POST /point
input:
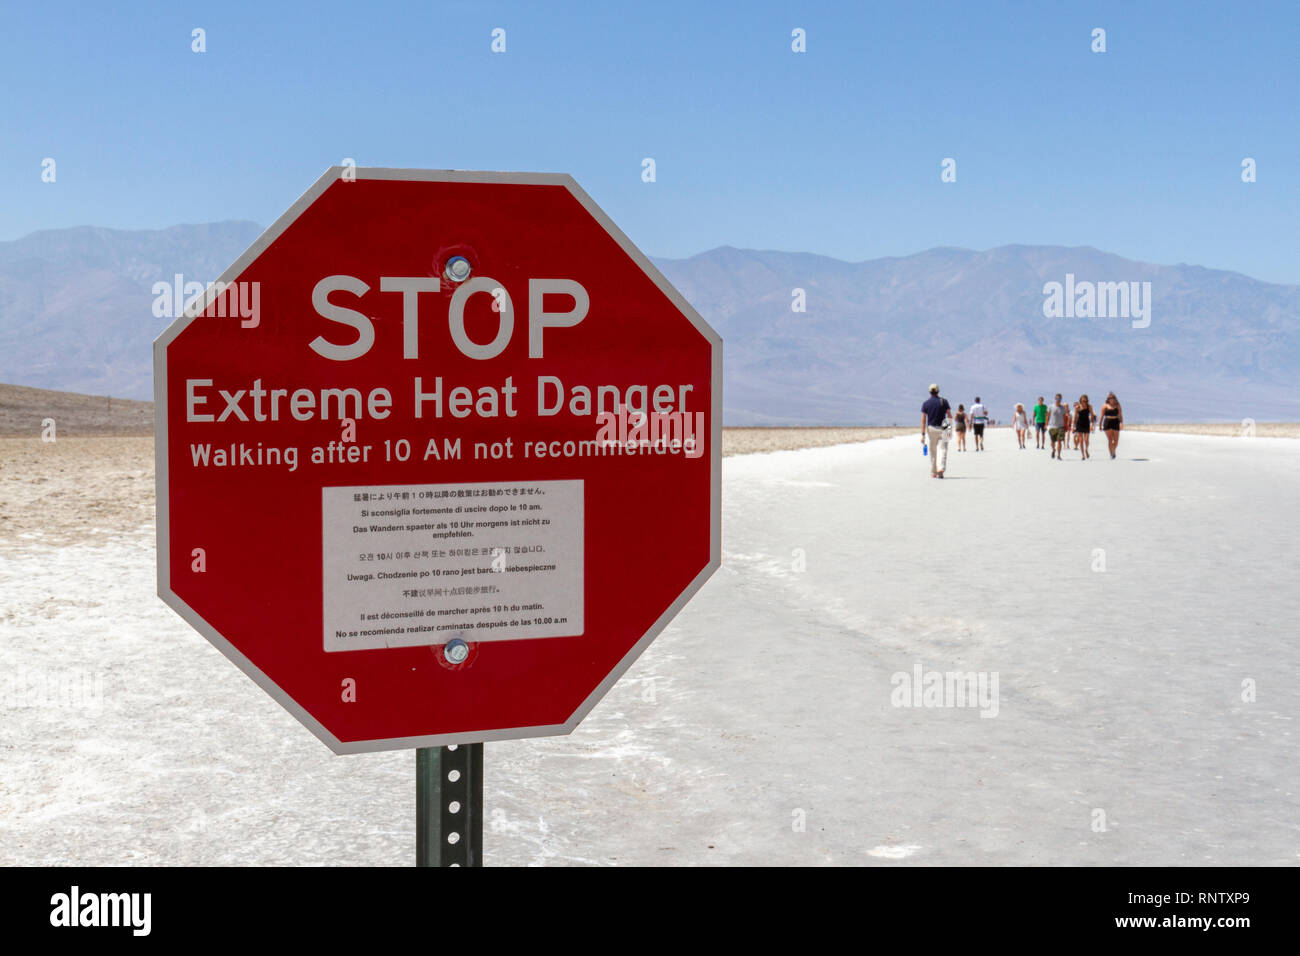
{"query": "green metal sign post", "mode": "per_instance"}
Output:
(449, 805)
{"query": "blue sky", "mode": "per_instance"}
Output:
(836, 151)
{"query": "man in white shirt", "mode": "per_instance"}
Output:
(979, 416)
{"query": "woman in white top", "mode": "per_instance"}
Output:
(1020, 422)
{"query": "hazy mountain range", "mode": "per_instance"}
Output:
(75, 314)
(76, 304)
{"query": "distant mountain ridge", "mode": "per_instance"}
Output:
(76, 304)
(75, 315)
(1220, 345)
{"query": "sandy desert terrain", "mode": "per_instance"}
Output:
(1226, 429)
(74, 490)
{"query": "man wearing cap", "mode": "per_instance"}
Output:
(934, 417)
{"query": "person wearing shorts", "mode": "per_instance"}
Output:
(1112, 420)
(1020, 422)
(979, 417)
(960, 420)
(1040, 424)
(1056, 427)
(1084, 419)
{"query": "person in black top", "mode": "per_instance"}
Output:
(934, 422)
(1083, 424)
(1112, 420)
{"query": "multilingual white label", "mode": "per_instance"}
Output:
(406, 565)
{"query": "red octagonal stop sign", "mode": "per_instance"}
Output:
(437, 458)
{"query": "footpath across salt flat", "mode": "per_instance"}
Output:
(1122, 605)
(1127, 609)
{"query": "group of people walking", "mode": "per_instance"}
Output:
(1058, 424)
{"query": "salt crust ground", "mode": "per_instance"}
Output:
(759, 728)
